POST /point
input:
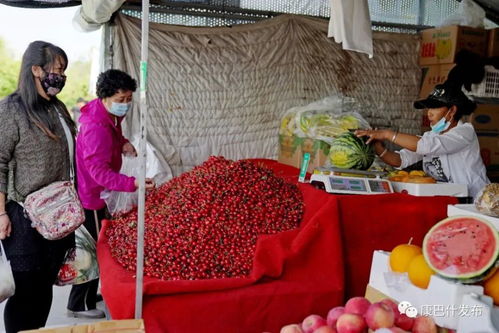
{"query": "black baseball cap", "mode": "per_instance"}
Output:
(444, 95)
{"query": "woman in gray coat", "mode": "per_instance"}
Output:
(33, 154)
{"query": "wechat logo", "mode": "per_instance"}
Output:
(407, 309)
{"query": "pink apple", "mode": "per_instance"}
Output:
(351, 323)
(379, 315)
(424, 324)
(334, 314)
(357, 305)
(393, 305)
(312, 322)
(325, 329)
(292, 328)
(390, 330)
(404, 322)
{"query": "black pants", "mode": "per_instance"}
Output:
(30, 306)
(83, 296)
(35, 263)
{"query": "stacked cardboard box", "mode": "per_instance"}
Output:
(485, 120)
(292, 148)
(438, 50)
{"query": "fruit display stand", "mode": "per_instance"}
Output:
(489, 320)
(298, 272)
(442, 295)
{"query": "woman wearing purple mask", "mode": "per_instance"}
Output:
(33, 153)
(449, 152)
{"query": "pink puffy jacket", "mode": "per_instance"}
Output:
(98, 156)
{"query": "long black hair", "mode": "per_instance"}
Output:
(36, 107)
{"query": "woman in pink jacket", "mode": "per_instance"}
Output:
(99, 146)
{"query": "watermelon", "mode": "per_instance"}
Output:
(463, 248)
(351, 152)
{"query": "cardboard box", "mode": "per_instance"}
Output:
(109, 326)
(489, 149)
(292, 148)
(440, 45)
(493, 43)
(486, 118)
(433, 75)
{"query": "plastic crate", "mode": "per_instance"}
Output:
(489, 87)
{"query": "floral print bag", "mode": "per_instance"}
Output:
(55, 210)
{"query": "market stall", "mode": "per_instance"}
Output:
(295, 273)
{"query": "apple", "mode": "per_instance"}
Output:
(351, 323)
(325, 329)
(424, 324)
(312, 322)
(292, 328)
(357, 305)
(379, 315)
(334, 314)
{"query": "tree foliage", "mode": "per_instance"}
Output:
(78, 76)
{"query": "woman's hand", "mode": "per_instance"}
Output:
(375, 134)
(5, 227)
(150, 184)
(129, 149)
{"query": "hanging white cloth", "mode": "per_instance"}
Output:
(350, 24)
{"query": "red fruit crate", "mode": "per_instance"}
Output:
(489, 87)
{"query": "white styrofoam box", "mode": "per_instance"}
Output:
(488, 321)
(470, 209)
(442, 295)
(430, 190)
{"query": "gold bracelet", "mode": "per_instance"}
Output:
(394, 137)
(383, 152)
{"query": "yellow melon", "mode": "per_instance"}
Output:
(402, 255)
(419, 272)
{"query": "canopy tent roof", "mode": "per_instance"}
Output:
(491, 6)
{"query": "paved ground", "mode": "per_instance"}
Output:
(57, 316)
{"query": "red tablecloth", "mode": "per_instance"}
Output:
(294, 274)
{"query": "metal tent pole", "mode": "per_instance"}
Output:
(142, 157)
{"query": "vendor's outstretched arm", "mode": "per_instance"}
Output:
(407, 141)
(387, 156)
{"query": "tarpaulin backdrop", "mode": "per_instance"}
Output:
(223, 91)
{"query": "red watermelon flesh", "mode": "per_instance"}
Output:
(461, 247)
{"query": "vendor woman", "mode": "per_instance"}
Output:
(450, 151)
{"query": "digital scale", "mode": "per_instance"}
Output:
(347, 181)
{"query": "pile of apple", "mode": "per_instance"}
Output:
(358, 315)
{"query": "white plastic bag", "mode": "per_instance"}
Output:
(468, 13)
(487, 201)
(80, 264)
(119, 203)
(324, 119)
(7, 285)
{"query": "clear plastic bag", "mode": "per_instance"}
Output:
(468, 14)
(80, 264)
(324, 119)
(7, 285)
(487, 201)
(119, 203)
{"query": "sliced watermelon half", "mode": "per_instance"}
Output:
(465, 248)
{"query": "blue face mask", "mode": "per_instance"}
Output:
(120, 109)
(441, 125)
